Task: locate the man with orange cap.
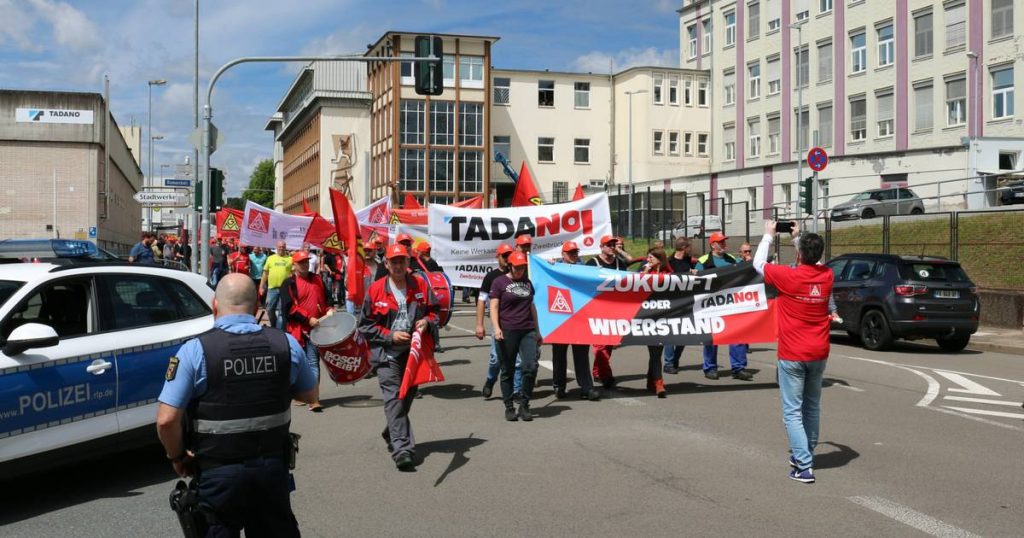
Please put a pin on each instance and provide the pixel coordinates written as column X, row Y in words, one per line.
column 580, row 352
column 304, row 304
column 718, row 257
column 423, row 259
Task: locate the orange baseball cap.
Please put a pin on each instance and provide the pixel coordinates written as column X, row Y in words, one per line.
column 504, row 249
column 608, row 239
column 717, row 237
column 396, row 251
column 300, row 256
column 422, row 246
column 517, row 258
column 377, row 242
column 569, row 246
column 404, row 238
column 524, row 240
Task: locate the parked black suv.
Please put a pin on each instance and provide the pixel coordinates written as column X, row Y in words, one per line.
column 881, row 297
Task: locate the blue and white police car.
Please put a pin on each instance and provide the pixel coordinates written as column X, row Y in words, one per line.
column 84, row 346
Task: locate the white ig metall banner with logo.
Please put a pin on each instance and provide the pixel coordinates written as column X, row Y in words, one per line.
column 263, row 227
column 464, row 240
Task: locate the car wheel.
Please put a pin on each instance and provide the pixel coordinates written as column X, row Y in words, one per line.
column 852, row 335
column 954, row 343
column 916, row 211
column 868, row 214
column 874, row 331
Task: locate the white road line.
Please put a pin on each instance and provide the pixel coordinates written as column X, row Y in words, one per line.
column 460, row 328
column 967, row 386
column 982, row 401
column 850, row 387
column 911, row 517
column 985, row 412
column 979, row 376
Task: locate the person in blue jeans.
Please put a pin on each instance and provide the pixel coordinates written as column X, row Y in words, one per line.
column 803, row 326
column 483, row 307
column 718, row 257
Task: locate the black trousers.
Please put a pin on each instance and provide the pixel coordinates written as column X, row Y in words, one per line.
column 252, row 495
column 580, row 363
column 654, row 362
column 524, row 344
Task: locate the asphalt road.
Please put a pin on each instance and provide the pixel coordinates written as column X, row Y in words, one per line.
column 915, row 442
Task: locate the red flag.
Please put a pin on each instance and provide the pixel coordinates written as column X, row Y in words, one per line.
column 526, row 192
column 422, row 367
column 305, row 206
column 578, row 195
column 347, row 229
column 229, row 222
column 322, row 233
column 410, row 202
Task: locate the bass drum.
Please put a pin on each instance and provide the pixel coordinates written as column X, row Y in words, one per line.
column 441, row 290
column 341, row 348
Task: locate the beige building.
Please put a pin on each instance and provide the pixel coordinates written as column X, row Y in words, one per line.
column 54, row 170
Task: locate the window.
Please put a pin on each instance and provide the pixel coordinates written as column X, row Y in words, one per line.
column 688, row 143
column 560, row 191
column 691, row 34
column 883, row 104
column 802, row 120
column 825, row 125
column 410, row 169
column 824, row 6
column 64, row 306
column 825, row 62
column 1002, row 92
column 706, row 41
column 448, row 69
column 773, row 12
column 886, row 51
column 545, row 150
column 803, row 67
column 751, row 199
column 858, row 53
column 502, row 90
column 442, row 123
column 1008, row 160
column 673, row 90
column 1002, row 18
column 753, row 20
column 471, row 171
column 773, row 25
column 923, row 107
column 730, row 29
column 774, row 125
column 190, row 305
column 471, row 71
column 658, row 82
column 412, row 121
column 754, row 73
column 673, row 142
column 923, row 35
column 728, row 204
column 658, row 135
column 702, row 92
column 582, row 94
column 729, row 87
column 956, row 102
column 774, row 78
column 502, row 144
column 702, row 144
column 956, row 26
column 546, row 93
column 688, row 91
column 137, row 301
column 471, row 124
column 754, row 137
column 442, row 167
column 581, row 150
column 729, row 142
column 406, row 71
column 858, row 118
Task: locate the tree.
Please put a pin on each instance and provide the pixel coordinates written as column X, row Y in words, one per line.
column 261, row 184
column 235, row 203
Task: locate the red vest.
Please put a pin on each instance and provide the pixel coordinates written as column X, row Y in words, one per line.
column 310, row 301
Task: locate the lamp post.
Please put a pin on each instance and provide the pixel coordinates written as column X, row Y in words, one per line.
column 149, row 210
column 629, row 167
column 799, row 27
column 149, row 177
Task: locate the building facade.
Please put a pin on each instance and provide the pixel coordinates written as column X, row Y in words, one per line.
column 60, row 176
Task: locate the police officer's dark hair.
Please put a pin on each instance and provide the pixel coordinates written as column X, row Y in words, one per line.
column 811, row 248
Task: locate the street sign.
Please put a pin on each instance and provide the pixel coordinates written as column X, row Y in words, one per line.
column 162, row 198
column 92, row 232
column 174, row 182
column 817, row 159
column 216, row 139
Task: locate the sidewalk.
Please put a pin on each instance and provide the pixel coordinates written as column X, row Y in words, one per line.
column 998, row 340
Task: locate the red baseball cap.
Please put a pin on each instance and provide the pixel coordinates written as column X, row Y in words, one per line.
column 517, row 258
column 403, row 238
column 569, row 246
column 524, row 240
column 395, row 251
column 300, row 256
column 504, row 248
column 717, row 237
column 422, row 246
column 377, row 242
column 608, row 239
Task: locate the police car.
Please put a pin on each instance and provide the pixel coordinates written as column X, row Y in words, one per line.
column 84, row 346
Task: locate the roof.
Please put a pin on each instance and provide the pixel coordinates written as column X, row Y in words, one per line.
column 499, row 70
column 385, row 35
column 24, row 272
column 892, row 257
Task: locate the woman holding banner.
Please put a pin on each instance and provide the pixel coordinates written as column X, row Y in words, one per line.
column 514, row 319
column 657, row 263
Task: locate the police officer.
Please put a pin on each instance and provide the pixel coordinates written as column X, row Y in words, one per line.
column 235, row 384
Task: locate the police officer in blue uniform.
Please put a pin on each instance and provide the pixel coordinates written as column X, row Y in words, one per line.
column 234, row 385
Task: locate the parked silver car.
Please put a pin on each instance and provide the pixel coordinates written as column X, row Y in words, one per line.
column 878, row 202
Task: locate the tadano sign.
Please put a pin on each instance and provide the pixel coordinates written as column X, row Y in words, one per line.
column 51, row 115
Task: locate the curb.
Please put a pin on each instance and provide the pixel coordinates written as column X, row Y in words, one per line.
column 998, row 348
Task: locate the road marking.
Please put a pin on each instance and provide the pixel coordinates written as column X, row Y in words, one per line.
column 985, row 412
column 460, row 329
column 968, row 386
column 850, row 387
column 910, row 517
column 982, row 401
column 979, row 376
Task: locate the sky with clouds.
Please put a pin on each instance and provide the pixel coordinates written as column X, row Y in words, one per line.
column 70, row 45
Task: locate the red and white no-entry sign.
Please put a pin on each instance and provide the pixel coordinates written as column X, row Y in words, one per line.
column 817, row 159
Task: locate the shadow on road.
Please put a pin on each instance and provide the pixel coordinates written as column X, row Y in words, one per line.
column 359, row 400
column 549, row 411
column 458, row 447
column 453, row 391
column 455, row 362
column 40, row 493
column 838, row 458
column 904, row 346
column 467, row 346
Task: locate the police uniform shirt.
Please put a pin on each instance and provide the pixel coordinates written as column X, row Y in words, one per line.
column 186, row 374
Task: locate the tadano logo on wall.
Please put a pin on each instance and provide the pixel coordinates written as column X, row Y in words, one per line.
column 52, row 115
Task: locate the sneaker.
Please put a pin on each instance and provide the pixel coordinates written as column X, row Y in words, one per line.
column 487, row 390
column 669, row 369
column 593, row 394
column 524, row 412
column 743, row 375
column 405, row 462
column 711, row 374
column 659, row 388
column 510, row 414
column 806, row 476
column 608, row 383
column 792, row 462
column 560, row 393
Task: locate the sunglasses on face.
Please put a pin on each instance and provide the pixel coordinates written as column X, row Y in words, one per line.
column 506, row 255
column 745, row 251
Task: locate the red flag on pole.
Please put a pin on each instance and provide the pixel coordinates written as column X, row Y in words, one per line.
column 411, row 203
column 578, row 195
column 422, row 367
column 348, row 231
column 322, row 233
column 305, row 206
column 526, row 192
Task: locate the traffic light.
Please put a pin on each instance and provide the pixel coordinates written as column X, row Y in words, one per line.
column 807, row 195
column 429, row 75
column 216, row 191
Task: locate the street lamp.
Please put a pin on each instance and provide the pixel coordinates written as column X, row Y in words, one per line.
column 149, row 210
column 629, row 163
column 799, row 27
column 148, row 182
column 162, row 166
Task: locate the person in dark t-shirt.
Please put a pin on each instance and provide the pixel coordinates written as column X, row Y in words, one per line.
column 514, row 319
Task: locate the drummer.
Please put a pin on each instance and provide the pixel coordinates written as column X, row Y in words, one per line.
column 304, row 304
column 424, row 260
column 395, row 307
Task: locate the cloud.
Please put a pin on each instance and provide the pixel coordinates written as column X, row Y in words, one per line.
column 17, row 26
column 71, row 27
column 667, row 6
column 598, row 62
column 347, row 41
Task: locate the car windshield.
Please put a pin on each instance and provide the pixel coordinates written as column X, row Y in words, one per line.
column 7, row 288
column 934, row 272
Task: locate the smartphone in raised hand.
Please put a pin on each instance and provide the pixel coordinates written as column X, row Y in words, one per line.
column 784, row 227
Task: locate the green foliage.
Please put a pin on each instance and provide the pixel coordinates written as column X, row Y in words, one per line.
column 261, row 184
column 235, row 203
